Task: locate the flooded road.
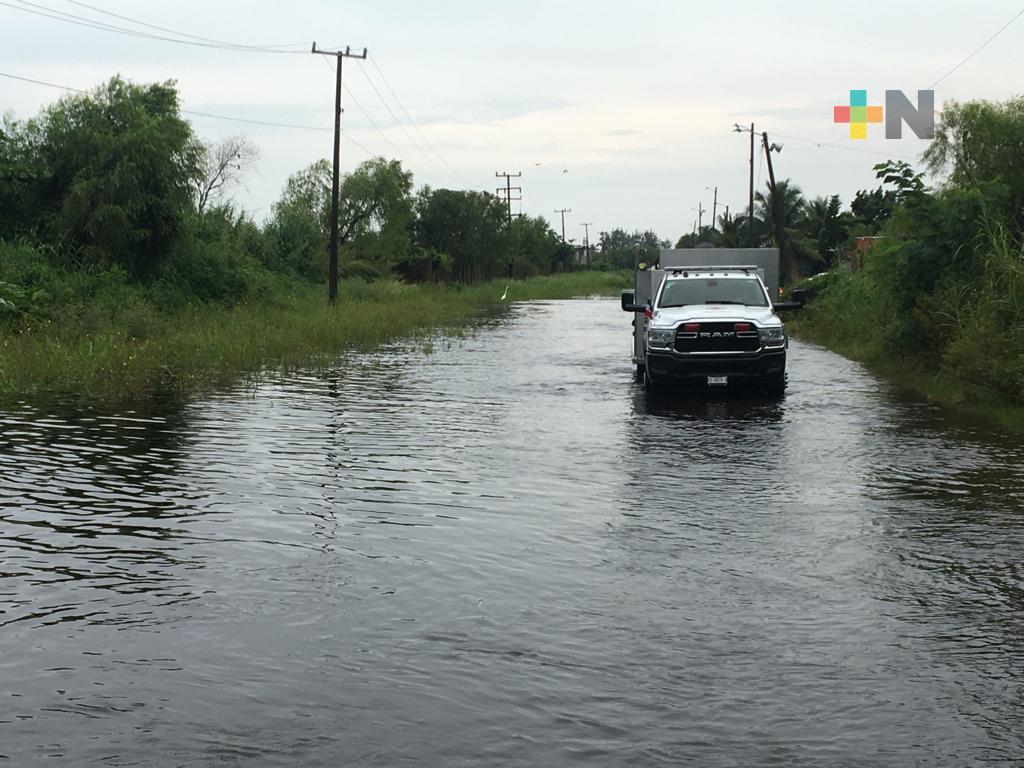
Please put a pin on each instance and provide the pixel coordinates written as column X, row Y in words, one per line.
column 503, row 553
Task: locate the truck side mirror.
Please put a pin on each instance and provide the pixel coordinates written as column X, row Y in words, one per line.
column 798, row 302
column 628, row 297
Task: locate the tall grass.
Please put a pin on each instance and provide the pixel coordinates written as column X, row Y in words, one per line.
column 133, row 352
column 961, row 344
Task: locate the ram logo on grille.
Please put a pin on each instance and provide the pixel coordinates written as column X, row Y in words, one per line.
column 717, row 337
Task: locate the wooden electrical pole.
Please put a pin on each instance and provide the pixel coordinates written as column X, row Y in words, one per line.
column 508, row 189
column 586, row 240
column 332, row 288
column 714, row 210
column 563, row 211
column 788, row 265
column 750, row 210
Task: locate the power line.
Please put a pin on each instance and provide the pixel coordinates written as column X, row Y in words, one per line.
column 978, row 50
column 302, row 43
column 833, row 145
column 398, row 122
column 82, row 21
column 183, row 111
column 412, row 122
column 254, row 122
column 373, row 123
column 377, row 128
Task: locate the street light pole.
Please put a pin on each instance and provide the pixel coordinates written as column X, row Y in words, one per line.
column 737, row 128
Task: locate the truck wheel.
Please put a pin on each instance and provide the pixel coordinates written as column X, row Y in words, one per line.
column 650, row 385
column 640, row 370
column 775, row 384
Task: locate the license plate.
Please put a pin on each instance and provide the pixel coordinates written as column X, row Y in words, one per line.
column 718, row 381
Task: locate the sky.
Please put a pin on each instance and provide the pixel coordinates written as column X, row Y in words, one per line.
column 621, row 112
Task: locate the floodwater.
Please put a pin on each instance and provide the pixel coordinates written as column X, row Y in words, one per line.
column 503, row 553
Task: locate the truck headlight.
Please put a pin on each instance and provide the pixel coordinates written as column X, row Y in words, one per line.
column 661, row 337
column 772, row 337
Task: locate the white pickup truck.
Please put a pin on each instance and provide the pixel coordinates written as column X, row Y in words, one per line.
column 701, row 320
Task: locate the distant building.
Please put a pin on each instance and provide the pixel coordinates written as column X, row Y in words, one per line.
column 861, row 245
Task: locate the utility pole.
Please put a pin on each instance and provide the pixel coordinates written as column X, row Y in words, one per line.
column 700, row 217
column 586, row 240
column 509, row 189
column 332, row 288
column 563, row 211
column 714, row 208
column 788, row 265
column 750, row 204
column 737, row 128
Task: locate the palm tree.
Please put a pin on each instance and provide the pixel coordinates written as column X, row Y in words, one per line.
column 732, row 231
column 782, row 213
column 824, row 224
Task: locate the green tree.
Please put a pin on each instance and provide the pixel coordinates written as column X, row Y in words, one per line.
column 620, row 249
column 826, row 227
column 121, row 166
column 373, row 220
column 376, row 217
column 981, row 142
column 732, row 231
column 782, row 214
column 21, row 171
column 872, row 208
column 469, row 227
column 536, row 249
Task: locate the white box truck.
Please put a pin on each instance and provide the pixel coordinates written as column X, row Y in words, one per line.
column 708, row 317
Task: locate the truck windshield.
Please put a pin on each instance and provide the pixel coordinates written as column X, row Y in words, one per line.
column 681, row 293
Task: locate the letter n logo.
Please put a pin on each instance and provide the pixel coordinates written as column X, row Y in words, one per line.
column 899, row 110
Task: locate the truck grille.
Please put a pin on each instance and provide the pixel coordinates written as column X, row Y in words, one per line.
column 717, row 337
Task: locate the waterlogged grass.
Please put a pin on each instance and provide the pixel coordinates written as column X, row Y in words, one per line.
column 853, row 317
column 203, row 345
column 936, row 386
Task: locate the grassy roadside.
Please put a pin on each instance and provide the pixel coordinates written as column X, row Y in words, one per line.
column 207, row 345
column 935, row 386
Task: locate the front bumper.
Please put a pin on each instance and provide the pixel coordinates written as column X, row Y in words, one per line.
column 666, row 366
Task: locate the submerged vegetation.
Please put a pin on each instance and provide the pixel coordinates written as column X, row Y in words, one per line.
column 124, row 268
column 131, row 350
column 938, row 300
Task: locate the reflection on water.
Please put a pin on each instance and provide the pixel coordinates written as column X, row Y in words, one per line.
column 505, row 553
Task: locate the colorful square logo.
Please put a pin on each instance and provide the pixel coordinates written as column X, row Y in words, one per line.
column 859, row 114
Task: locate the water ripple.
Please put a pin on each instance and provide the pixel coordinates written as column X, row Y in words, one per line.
column 504, row 553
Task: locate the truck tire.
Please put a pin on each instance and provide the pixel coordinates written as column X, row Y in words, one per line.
column 775, row 384
column 650, row 385
column 641, row 369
